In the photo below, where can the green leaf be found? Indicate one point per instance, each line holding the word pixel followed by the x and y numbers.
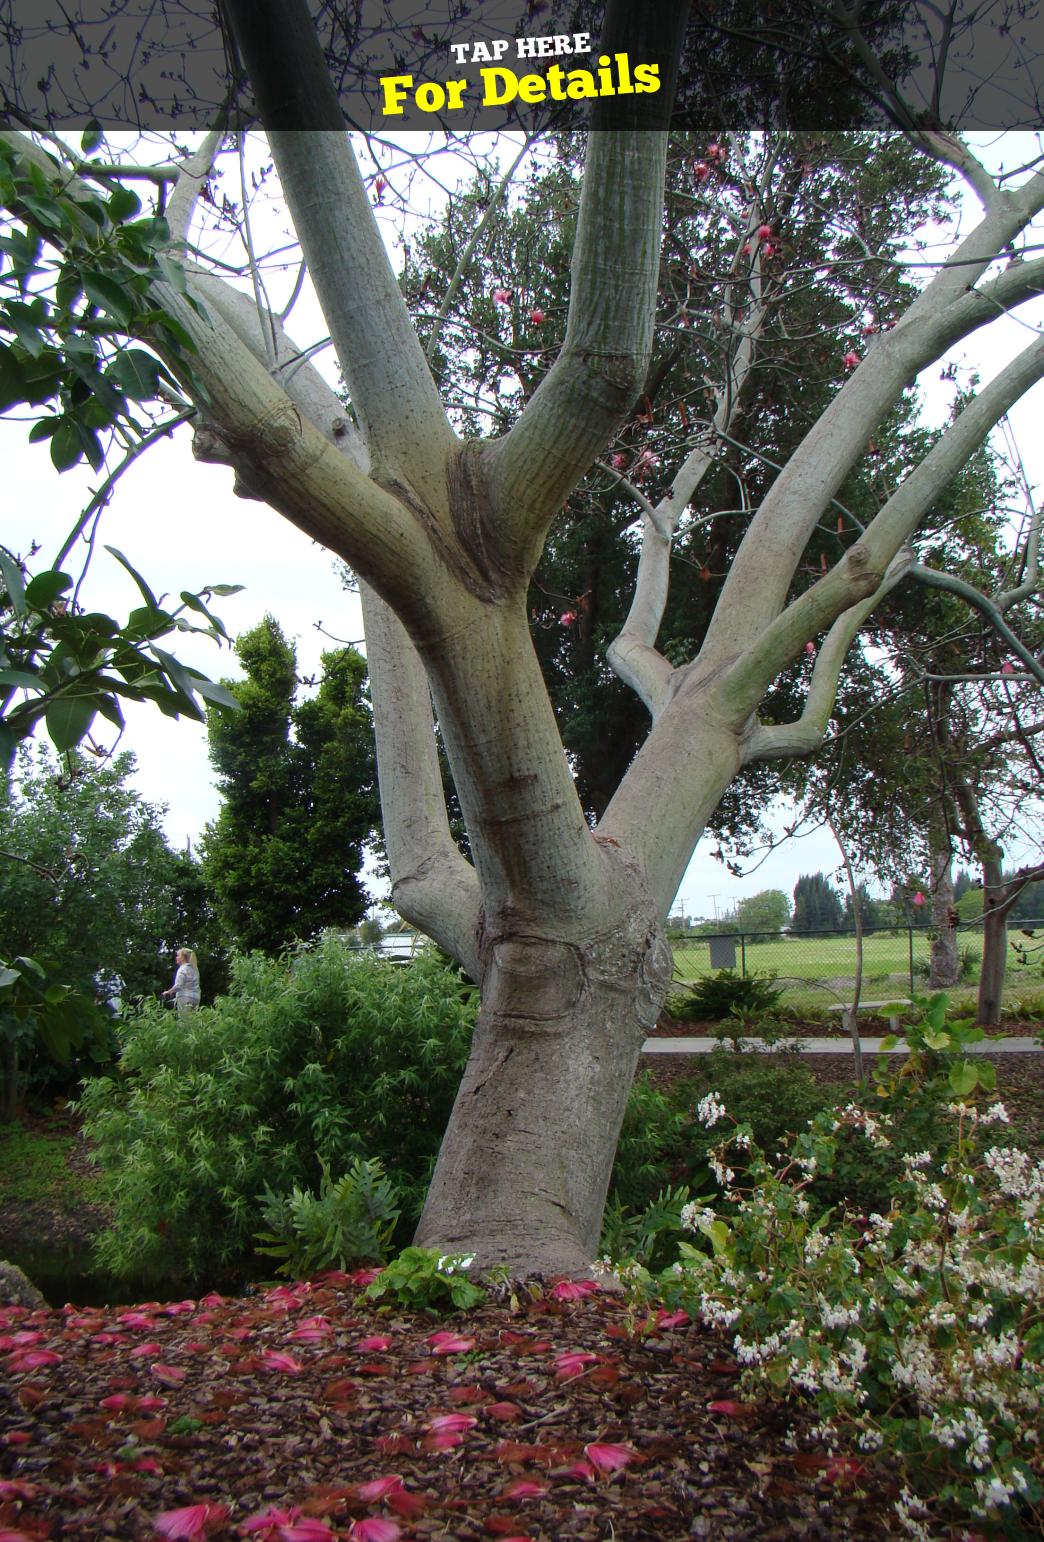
pixel 220 695
pixel 91 138
pixel 123 205
pixel 14 583
pixel 66 444
pixel 150 598
pixel 938 1040
pixel 68 719
pixel 42 591
pixel 987 1075
pixel 21 680
pixel 109 296
pixel 223 590
pixel 963 1078
pixel 136 372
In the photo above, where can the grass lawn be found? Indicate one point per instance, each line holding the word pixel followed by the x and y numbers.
pixel 35 1166
pixel 819 971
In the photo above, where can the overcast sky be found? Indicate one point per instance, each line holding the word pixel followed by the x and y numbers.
pixel 179 522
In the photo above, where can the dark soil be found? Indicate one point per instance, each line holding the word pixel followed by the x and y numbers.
pixel 277 1399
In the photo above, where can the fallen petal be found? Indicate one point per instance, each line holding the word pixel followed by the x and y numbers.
pixel 378 1488
pixel 191 1521
pixel 609 1458
pixel 277 1360
pixel 374 1345
pixel 374 1529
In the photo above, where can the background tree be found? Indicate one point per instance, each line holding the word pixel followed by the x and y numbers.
pixel 87 879
pixel 298 785
pixel 817 904
pixel 768 911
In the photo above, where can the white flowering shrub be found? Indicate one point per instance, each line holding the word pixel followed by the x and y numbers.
pixel 918 1331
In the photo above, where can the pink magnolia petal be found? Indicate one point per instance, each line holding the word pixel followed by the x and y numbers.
pixel 728 1405
pixel 525 1488
pixel 581 1470
pixel 452 1421
pixel 277 1360
pixel 376 1343
pixel 363 1276
pixel 190 1522
pixel 147 1464
pixel 32 1359
pixel 442 1440
pixel 117 1401
pixel 306 1530
pixel 177 1309
pixel 573 1290
pixel 270 1519
pixel 137 1320
pixel 450 1344
pixel 572 1364
pixel 150 1348
pixel 378 1488
pixel 170 1375
pixel 374 1529
pixel 17 1438
pixel 17 1488
pixel 150 1403
pixel 609 1458
pixel 678 1319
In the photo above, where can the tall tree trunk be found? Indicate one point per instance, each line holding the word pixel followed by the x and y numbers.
pixel 945 963
pixel 996 905
pixel 525 1165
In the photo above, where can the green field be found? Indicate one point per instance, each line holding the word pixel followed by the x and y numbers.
pixel 820 971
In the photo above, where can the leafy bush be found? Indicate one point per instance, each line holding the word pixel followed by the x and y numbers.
pixel 915 1331
pixel 326 1056
pixel 649 1237
pixel 425 1280
pixel 350 1221
pixel 728 994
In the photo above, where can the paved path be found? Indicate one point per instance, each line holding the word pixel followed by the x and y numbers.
pixel 689 1046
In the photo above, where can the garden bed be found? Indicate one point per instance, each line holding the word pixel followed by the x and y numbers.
pixel 279 1400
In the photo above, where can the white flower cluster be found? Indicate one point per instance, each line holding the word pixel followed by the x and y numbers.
pixel 693 1213
pixel 1018 1176
pixel 857 1118
pixel 965 1427
pixel 839 1316
pixel 454 1263
pixel 710 1110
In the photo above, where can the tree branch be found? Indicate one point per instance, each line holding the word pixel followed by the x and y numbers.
pixel 608 344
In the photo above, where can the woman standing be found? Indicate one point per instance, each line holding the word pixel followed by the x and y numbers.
pixel 185 989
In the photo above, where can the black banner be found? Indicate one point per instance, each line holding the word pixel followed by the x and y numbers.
pixel 466 65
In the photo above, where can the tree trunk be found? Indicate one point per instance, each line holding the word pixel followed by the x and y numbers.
pixel 945 962
pixel 9 1093
pixel 525 1164
pixel 994 942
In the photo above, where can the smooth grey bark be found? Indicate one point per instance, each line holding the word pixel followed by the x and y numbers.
pixel 529 1149
pixel 944 967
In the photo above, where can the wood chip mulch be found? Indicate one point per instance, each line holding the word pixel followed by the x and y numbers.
pixel 559 1416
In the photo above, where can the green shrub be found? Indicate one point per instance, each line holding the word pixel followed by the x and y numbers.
pixel 425 1280
pixel 327 1056
pixel 728 994
pixel 350 1221
pixel 650 1146
pixel 915 1330
pixel 650 1236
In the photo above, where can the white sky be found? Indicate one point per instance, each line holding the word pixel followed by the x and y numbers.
pixel 179 522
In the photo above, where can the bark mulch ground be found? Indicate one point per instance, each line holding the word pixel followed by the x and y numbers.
pixel 544 1419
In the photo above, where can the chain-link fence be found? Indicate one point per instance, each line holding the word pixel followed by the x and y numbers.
pixel 817 969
